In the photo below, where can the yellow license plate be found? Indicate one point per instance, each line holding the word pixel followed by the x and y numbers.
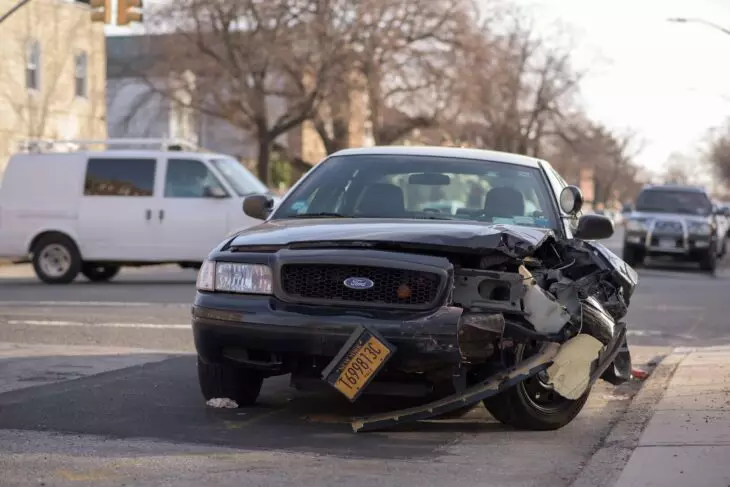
pixel 362 364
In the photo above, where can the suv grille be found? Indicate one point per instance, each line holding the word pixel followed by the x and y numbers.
pixel 390 286
pixel 668 227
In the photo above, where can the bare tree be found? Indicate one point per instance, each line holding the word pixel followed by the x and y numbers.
pixel 519 90
pixel 719 152
pixel 401 65
pixel 263 66
pixel 682 169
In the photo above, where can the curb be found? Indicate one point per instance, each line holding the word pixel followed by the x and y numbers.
pixel 606 464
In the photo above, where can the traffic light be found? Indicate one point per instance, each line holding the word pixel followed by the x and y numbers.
pixel 129 11
pixel 100 11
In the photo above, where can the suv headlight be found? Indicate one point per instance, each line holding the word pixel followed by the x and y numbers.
pixel 699 228
pixel 635 225
pixel 234 278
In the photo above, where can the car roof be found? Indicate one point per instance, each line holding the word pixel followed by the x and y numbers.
pixel 121 153
pixel 437 151
pixel 674 187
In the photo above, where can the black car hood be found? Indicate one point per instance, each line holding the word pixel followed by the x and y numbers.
pixel 513 240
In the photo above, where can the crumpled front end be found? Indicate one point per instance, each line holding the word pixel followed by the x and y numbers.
pixel 570 296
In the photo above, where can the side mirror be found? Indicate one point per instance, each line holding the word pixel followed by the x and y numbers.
pixel 215 192
pixel 258 206
pixel 571 200
pixel 594 227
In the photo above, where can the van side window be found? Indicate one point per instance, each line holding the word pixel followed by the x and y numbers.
pixel 120 177
pixel 188 178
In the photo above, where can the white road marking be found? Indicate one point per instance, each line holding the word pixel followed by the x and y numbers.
pixel 161 326
pixel 120 304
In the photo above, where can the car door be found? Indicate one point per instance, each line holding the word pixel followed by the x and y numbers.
pixel 115 213
pixel 193 214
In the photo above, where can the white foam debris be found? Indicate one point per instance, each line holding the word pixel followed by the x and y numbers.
pixel 222 402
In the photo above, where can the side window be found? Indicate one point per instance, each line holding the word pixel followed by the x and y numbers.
pixel 120 177
pixel 189 178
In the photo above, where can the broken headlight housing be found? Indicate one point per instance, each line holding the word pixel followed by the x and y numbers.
pixel 699 228
pixel 231 277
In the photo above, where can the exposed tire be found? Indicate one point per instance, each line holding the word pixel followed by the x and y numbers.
pixel 522 407
pixel 99 273
pixel 56 259
pixel 227 381
pixel 632 256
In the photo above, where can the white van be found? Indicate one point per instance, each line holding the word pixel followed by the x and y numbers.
pixel 93 212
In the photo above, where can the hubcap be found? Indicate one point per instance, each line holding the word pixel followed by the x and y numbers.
pixel 54 260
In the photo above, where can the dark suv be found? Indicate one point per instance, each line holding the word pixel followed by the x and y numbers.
pixel 677 222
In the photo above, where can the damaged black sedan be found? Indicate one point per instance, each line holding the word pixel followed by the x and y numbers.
pixel 451 275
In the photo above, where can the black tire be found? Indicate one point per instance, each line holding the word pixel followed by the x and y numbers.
pixel 518 407
pixel 99 273
pixel 633 256
pixel 709 261
pixel 67 260
pixel 227 381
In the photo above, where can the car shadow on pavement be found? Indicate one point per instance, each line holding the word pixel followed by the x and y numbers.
pixel 161 401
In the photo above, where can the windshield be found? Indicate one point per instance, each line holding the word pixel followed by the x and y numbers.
pixel 422 187
pixel 671 201
pixel 243 182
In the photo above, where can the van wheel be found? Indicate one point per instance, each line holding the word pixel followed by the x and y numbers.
pixel 99 273
pixel 56 259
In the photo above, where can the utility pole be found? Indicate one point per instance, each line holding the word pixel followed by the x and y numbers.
pixel 13 10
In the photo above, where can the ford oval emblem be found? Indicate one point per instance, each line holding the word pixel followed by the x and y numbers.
pixel 358 283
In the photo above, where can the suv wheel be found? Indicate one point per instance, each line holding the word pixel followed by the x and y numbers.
pixel 99 273
pixel 633 256
pixel 709 261
pixel 56 259
pixel 531 404
pixel 228 381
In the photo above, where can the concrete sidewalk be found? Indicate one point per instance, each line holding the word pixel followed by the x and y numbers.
pixel 685 408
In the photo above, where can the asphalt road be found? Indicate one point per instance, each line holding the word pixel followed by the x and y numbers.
pixel 98 387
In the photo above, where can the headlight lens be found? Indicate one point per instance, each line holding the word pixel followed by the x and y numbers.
pixel 235 278
pixel 700 228
pixel 635 225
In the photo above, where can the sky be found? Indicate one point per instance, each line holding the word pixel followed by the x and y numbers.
pixel 665 80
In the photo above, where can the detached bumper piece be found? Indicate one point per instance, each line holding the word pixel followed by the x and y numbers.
pixel 493 385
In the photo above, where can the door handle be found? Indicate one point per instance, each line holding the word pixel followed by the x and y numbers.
pixel 161 215
pixel 148 214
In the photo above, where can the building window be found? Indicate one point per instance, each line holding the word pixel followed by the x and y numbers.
pixel 81 61
pixel 33 66
pixel 120 177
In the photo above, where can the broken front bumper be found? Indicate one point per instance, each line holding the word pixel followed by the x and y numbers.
pixel 262 332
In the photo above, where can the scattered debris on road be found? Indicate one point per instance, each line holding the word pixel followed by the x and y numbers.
pixel 222 402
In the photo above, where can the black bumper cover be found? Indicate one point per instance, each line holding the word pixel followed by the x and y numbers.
pixel 263 323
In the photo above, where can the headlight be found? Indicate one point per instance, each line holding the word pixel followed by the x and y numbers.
pixel 635 225
pixel 699 228
pixel 235 278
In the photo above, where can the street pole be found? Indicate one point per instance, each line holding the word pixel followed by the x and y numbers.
pixel 13 10
pixel 683 20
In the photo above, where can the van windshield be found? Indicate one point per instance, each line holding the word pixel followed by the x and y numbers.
pixel 243 182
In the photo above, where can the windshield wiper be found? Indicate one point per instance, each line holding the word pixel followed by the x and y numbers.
pixel 434 217
pixel 322 214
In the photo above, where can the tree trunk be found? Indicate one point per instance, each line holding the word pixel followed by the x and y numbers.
pixel 264 157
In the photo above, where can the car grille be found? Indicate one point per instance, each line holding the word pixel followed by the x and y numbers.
pixel 321 282
pixel 668 227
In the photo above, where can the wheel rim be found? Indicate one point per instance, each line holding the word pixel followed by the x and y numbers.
pixel 536 390
pixel 54 260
